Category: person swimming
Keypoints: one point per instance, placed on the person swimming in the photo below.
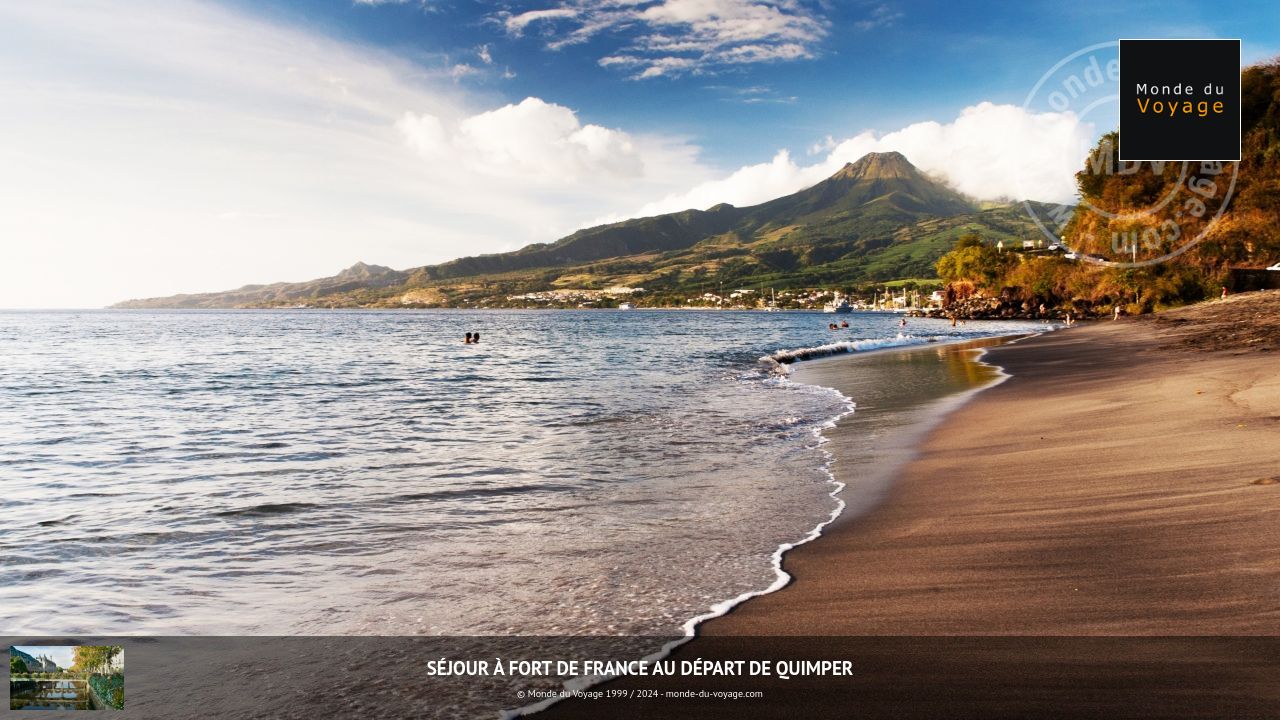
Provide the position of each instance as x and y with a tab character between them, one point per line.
475	338
468	340
844	323
902	322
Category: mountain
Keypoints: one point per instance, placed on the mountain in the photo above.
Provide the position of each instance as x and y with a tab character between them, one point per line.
355	278
879	218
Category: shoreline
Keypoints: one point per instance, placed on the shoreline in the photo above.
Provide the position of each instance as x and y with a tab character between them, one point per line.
1120	485
921	416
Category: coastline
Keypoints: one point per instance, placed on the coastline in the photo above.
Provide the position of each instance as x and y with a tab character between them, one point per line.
885	424
1120	483
1002	526
878	435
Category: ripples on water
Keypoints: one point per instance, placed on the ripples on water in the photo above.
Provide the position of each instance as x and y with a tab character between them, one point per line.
366	473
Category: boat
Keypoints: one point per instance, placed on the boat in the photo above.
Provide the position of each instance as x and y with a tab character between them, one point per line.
626	306
772	305
839	305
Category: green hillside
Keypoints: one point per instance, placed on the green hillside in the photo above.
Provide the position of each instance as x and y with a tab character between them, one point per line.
875	220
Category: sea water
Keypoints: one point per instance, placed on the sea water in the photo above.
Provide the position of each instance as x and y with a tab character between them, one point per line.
363	472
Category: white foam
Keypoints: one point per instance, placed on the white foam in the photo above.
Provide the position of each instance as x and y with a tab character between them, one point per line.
782	358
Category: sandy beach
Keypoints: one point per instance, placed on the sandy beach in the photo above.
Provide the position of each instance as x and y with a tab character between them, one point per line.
1123	481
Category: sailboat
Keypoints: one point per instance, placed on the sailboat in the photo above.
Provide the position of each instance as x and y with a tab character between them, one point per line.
772	305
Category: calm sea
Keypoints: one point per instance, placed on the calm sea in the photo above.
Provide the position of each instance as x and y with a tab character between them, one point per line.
310	472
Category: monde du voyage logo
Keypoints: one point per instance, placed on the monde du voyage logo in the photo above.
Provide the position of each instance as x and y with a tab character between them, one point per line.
1179	100
1179	137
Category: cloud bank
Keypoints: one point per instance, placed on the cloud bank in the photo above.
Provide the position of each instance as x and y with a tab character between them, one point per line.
989	152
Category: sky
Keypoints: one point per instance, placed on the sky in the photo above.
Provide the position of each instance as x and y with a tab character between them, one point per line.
62	655
154	147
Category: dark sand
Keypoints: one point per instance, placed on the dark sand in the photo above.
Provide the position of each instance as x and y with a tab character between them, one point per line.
1125	481
1116	484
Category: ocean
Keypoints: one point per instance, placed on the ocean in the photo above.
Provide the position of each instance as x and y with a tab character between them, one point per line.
367	473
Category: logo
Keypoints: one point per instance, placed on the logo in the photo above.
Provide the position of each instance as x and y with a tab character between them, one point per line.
1127	213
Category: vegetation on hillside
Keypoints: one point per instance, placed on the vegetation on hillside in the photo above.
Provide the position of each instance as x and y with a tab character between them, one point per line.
875	220
1246	235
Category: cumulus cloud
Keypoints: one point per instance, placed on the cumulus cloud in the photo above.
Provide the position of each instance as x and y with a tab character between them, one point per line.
677	37
532	140
989	152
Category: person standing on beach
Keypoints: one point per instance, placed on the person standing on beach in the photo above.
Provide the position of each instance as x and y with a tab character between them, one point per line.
1224	292
1116	316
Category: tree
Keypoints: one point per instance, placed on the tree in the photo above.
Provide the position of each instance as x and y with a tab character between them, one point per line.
972	260
16	666
94	658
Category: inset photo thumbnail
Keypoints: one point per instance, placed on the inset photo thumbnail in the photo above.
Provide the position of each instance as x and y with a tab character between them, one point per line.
66	677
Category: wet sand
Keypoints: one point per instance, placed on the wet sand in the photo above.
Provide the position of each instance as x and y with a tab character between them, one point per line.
1125	481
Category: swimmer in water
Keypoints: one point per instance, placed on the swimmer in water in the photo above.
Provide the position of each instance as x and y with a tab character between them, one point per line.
468	340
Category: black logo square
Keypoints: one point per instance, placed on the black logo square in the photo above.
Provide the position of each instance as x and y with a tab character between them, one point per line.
1179	100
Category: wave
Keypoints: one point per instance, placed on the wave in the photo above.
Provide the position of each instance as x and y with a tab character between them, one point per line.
786	357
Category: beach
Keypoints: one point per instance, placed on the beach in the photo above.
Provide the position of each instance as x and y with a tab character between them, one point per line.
1122	481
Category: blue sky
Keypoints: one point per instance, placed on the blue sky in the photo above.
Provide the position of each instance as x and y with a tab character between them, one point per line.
62	655
880	65
167	146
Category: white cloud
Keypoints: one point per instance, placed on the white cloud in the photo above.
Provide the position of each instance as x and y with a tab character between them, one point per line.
179	146
989	152
533	140
677	37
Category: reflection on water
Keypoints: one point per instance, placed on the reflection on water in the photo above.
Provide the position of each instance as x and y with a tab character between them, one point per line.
48	695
